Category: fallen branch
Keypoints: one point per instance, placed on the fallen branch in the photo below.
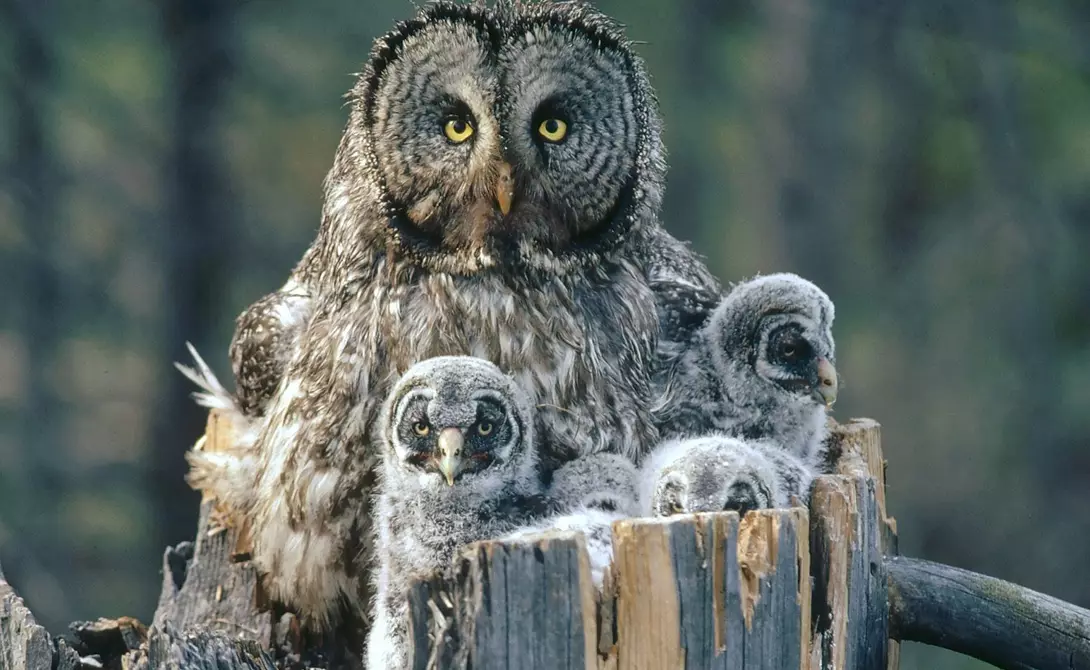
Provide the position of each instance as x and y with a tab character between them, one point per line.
1004	624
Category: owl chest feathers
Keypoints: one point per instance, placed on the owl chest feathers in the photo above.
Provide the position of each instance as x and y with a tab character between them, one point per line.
581	347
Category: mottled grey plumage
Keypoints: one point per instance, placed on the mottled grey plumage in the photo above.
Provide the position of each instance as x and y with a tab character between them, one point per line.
602	481
686	293
458	465
509	244
714	473
762	366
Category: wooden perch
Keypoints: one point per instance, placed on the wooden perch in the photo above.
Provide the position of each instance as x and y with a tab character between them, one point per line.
1004	624
525	603
849	535
25	645
816	589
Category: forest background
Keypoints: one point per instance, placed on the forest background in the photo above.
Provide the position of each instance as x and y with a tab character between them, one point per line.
926	162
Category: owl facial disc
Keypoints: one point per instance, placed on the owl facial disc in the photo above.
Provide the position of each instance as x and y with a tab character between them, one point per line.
509	137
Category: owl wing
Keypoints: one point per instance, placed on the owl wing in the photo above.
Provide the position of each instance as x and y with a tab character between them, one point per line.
671	260
265	335
686	292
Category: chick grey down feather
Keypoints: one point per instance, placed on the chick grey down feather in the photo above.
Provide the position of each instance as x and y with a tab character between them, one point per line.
714	473
458	466
605	482
761	367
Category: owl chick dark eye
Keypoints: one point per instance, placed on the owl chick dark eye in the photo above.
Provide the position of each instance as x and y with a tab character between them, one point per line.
458	129
553	130
788	346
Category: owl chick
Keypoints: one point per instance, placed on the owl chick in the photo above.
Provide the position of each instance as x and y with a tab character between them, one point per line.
604	482
458	465
716	473
762	367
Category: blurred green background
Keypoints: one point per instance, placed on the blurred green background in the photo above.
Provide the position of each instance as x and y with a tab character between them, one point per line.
927	162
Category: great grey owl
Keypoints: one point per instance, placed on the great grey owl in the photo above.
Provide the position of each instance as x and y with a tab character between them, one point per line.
762	367
458	465
714	473
496	193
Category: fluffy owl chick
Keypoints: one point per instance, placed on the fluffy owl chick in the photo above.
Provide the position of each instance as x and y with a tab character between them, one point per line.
762	367
458	465
716	473
604	482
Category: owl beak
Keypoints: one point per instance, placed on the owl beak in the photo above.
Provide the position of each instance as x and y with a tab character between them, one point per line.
505	187
827	382
451	442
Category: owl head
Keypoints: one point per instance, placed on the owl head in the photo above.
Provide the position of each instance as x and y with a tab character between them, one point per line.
519	136
708	474
772	341
457	421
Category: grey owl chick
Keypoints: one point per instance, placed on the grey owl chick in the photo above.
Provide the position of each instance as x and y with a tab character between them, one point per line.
714	473
606	482
762	367
507	209
458	465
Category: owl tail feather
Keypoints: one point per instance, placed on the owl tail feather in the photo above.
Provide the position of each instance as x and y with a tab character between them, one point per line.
227	473
214	395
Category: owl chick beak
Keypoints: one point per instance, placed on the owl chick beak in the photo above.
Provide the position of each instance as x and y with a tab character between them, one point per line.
451	443
505	187
825	388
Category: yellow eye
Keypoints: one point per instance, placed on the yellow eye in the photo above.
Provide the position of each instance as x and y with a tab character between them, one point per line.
458	130
676	508
421	428
553	130
484	428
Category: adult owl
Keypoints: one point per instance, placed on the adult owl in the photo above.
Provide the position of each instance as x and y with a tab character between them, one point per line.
495	193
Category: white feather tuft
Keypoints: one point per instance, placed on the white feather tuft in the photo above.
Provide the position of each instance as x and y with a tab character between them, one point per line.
214	395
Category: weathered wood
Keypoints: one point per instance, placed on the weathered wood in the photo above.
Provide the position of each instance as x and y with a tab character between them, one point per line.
702	591
998	622
203	584
708	591
24	644
168	650
858	448
211	588
851	626
850	533
526	604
